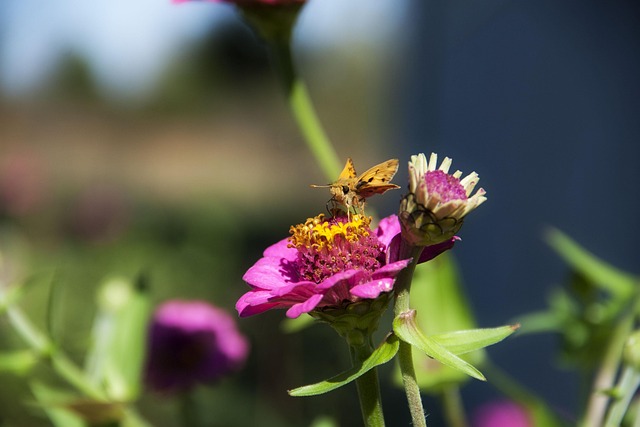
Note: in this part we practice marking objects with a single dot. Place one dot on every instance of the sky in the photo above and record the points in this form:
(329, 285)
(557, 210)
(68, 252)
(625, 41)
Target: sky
(128, 43)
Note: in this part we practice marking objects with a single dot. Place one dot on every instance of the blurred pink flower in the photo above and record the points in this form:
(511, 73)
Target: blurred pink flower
(192, 342)
(503, 413)
(328, 263)
(22, 183)
(249, 2)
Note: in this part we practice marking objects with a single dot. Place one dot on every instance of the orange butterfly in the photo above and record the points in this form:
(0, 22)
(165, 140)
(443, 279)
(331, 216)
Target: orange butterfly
(351, 190)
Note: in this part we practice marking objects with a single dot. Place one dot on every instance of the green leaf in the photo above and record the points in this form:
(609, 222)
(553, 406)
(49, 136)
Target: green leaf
(18, 362)
(9, 296)
(385, 352)
(600, 273)
(407, 330)
(460, 342)
(119, 338)
(51, 401)
(540, 322)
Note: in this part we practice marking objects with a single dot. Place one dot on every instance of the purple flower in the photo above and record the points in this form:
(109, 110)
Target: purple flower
(23, 183)
(502, 413)
(328, 263)
(252, 2)
(192, 342)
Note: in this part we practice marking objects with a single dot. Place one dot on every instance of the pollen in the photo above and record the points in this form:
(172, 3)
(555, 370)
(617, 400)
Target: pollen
(330, 246)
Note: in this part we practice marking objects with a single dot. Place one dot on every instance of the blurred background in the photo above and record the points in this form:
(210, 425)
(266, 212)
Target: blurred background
(145, 137)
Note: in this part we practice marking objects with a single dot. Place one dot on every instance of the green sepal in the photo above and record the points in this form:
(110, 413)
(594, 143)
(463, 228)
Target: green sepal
(603, 275)
(381, 355)
(405, 327)
(461, 342)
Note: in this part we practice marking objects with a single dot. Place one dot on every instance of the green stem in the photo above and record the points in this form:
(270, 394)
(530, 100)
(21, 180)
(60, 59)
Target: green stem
(605, 377)
(626, 389)
(368, 389)
(189, 410)
(303, 111)
(453, 408)
(42, 345)
(405, 355)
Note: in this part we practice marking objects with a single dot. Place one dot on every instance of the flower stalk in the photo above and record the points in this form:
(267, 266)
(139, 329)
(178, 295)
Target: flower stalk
(405, 355)
(368, 388)
(302, 108)
(452, 407)
(43, 346)
(605, 377)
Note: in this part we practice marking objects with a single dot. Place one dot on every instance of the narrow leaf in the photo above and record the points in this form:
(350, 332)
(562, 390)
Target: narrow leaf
(602, 274)
(385, 352)
(18, 362)
(407, 330)
(9, 296)
(51, 402)
(540, 322)
(460, 342)
(119, 337)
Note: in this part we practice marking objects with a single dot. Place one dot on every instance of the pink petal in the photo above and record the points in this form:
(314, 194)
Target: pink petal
(333, 280)
(374, 288)
(298, 290)
(269, 273)
(393, 251)
(255, 302)
(304, 307)
(391, 269)
(387, 229)
(281, 250)
(430, 252)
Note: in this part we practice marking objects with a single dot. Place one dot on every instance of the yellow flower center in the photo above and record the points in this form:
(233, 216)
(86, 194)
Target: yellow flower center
(326, 247)
(319, 233)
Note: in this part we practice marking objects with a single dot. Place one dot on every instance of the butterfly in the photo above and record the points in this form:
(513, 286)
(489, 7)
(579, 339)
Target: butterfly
(351, 190)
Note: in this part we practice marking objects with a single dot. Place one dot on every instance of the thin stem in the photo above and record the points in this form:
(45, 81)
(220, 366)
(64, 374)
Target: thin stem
(411, 388)
(189, 410)
(405, 355)
(368, 389)
(303, 110)
(453, 408)
(626, 389)
(636, 421)
(42, 345)
(605, 377)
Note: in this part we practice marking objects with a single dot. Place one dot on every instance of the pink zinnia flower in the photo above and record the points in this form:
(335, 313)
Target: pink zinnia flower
(502, 414)
(250, 2)
(328, 263)
(192, 342)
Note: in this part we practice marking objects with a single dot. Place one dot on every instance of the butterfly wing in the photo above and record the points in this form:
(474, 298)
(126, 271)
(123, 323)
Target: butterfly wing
(377, 179)
(348, 173)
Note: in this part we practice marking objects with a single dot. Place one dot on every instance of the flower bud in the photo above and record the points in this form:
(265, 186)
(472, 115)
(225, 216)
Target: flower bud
(435, 207)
